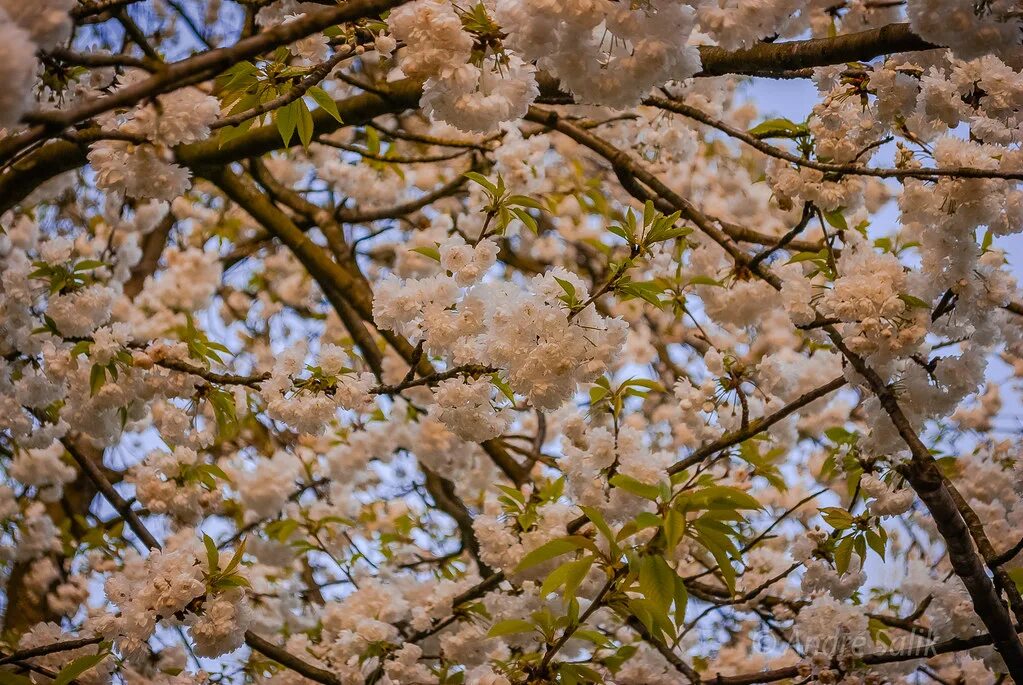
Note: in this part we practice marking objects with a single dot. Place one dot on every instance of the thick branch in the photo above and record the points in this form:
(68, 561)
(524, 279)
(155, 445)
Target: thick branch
(773, 58)
(925, 478)
(205, 65)
(58, 157)
(52, 648)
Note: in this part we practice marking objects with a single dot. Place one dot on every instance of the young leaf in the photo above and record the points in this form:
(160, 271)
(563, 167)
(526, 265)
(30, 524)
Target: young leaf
(597, 519)
(630, 484)
(304, 123)
(502, 385)
(97, 377)
(570, 575)
(286, 119)
(836, 219)
(212, 554)
(510, 626)
(483, 181)
(78, 667)
(547, 551)
(837, 517)
(12, 678)
(657, 583)
(777, 128)
(843, 554)
(431, 252)
(527, 219)
(567, 287)
(236, 559)
(325, 102)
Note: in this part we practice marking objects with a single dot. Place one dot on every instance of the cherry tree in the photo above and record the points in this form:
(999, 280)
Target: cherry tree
(493, 342)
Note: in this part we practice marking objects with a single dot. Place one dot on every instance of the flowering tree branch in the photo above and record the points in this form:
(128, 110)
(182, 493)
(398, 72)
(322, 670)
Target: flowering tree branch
(555, 412)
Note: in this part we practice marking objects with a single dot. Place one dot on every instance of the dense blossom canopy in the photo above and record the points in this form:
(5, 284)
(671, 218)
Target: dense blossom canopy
(493, 342)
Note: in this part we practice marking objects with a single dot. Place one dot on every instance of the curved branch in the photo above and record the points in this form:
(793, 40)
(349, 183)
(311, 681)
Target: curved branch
(58, 157)
(757, 426)
(52, 648)
(203, 66)
(677, 107)
(930, 485)
(61, 156)
(956, 644)
(767, 59)
(365, 216)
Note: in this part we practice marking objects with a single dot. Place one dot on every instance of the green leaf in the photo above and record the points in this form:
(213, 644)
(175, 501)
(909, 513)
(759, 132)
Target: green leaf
(879, 632)
(645, 383)
(720, 497)
(577, 674)
(12, 678)
(649, 212)
(502, 385)
(236, 558)
(836, 219)
(78, 667)
(431, 252)
(325, 102)
(230, 582)
(877, 541)
(229, 133)
(566, 286)
(645, 290)
(674, 528)
(660, 234)
(641, 609)
(656, 580)
(643, 520)
(913, 301)
(778, 128)
(286, 119)
(681, 600)
(704, 280)
(281, 530)
(212, 554)
(305, 124)
(570, 575)
(630, 484)
(524, 201)
(97, 377)
(226, 416)
(621, 232)
(595, 636)
(548, 551)
(843, 554)
(1016, 575)
(483, 181)
(527, 219)
(618, 659)
(81, 347)
(837, 517)
(510, 626)
(806, 257)
(89, 265)
(597, 519)
(715, 538)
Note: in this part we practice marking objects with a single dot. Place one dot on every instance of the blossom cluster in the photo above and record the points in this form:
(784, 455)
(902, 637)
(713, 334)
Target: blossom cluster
(507, 342)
